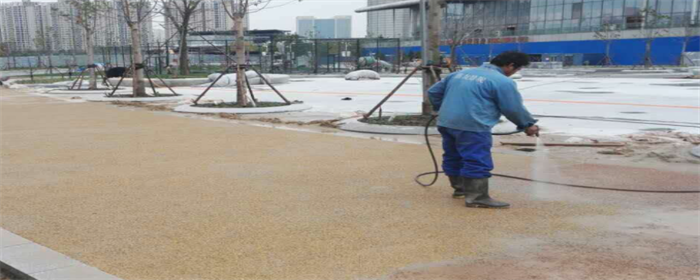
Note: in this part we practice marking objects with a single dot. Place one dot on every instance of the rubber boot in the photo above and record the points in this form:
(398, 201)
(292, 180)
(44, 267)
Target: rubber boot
(456, 183)
(477, 194)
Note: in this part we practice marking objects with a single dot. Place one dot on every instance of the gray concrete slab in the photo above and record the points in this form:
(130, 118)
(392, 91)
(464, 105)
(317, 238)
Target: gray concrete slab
(9, 239)
(76, 272)
(33, 258)
(22, 257)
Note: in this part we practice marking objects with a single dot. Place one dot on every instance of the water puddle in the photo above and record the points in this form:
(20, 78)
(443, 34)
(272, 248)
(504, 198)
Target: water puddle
(633, 113)
(586, 91)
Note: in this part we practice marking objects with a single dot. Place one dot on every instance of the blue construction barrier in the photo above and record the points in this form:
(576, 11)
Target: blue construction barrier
(665, 51)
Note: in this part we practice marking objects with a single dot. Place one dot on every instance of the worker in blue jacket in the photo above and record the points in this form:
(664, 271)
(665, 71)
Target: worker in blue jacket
(470, 103)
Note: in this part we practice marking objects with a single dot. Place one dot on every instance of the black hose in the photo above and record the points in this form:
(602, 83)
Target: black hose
(621, 120)
(437, 172)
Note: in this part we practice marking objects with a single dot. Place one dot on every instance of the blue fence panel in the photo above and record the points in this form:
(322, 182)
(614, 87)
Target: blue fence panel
(665, 51)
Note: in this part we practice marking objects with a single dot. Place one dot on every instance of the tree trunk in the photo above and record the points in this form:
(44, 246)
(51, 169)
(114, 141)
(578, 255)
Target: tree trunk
(240, 61)
(683, 54)
(184, 66)
(647, 55)
(434, 18)
(137, 74)
(607, 53)
(50, 62)
(91, 61)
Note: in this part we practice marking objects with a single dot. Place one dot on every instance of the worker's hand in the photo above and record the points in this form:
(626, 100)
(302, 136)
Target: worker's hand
(533, 131)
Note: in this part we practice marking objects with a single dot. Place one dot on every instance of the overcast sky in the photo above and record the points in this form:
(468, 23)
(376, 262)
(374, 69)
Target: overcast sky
(284, 17)
(281, 14)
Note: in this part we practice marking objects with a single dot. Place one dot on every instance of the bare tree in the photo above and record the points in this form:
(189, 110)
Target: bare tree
(654, 27)
(179, 13)
(135, 12)
(44, 41)
(607, 33)
(85, 13)
(460, 25)
(237, 10)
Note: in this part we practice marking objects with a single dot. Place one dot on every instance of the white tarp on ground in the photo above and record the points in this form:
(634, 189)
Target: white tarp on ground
(253, 78)
(362, 75)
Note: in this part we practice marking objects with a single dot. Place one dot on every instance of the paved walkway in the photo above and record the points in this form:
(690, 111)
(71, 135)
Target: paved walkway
(150, 195)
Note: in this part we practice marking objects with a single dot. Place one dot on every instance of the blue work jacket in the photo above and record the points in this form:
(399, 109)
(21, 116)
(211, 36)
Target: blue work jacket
(474, 99)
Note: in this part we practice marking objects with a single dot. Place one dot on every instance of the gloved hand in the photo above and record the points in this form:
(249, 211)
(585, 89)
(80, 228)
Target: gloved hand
(533, 131)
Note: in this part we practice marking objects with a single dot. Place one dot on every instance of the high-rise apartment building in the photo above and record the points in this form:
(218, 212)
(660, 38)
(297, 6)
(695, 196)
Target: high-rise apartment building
(305, 26)
(28, 25)
(343, 27)
(43, 26)
(210, 15)
(336, 27)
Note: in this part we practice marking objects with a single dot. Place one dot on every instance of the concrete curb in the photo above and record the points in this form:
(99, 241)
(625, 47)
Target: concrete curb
(264, 110)
(186, 82)
(132, 99)
(81, 92)
(695, 151)
(354, 125)
(28, 260)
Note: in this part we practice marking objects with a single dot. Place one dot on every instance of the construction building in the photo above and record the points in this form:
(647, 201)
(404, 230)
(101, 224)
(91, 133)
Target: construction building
(575, 32)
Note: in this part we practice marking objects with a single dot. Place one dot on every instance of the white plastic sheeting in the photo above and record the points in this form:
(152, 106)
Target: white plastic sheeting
(362, 75)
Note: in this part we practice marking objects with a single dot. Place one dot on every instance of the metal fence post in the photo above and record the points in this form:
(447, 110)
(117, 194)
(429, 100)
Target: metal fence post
(315, 56)
(272, 53)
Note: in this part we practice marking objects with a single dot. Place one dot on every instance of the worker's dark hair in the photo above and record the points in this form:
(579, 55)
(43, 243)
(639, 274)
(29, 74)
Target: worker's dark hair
(518, 59)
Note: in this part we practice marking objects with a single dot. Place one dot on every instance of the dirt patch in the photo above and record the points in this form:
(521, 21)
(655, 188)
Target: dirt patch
(323, 123)
(150, 107)
(400, 120)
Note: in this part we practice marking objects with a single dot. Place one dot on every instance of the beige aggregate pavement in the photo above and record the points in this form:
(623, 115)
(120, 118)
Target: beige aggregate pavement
(149, 195)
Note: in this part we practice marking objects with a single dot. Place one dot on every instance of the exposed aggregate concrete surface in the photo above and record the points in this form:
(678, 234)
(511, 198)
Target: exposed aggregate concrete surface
(146, 195)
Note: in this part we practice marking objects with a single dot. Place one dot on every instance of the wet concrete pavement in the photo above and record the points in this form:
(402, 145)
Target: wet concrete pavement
(151, 195)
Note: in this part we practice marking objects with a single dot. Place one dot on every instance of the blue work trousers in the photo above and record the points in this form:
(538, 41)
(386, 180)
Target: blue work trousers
(467, 154)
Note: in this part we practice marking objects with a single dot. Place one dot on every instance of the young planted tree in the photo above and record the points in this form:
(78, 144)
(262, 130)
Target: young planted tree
(136, 12)
(44, 42)
(180, 13)
(237, 10)
(85, 13)
(607, 33)
(655, 26)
